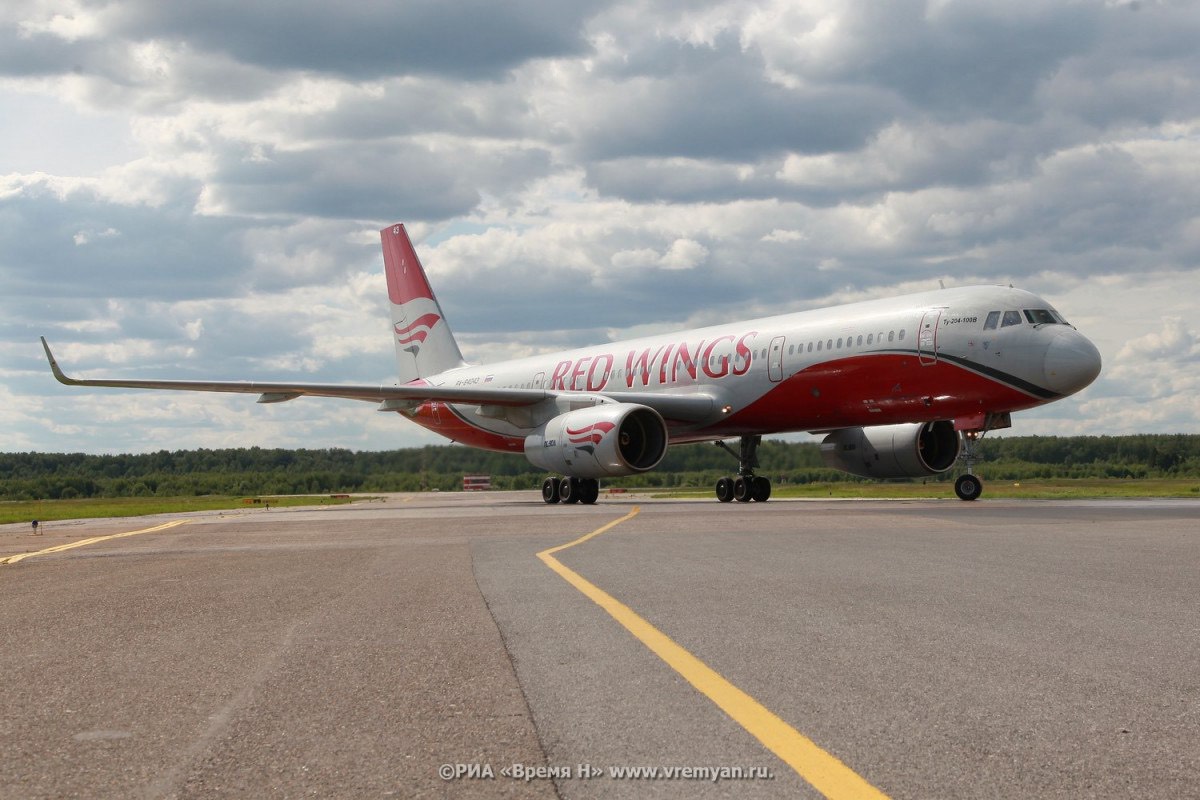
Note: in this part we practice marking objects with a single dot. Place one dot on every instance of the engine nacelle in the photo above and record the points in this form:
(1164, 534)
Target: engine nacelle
(604, 441)
(893, 451)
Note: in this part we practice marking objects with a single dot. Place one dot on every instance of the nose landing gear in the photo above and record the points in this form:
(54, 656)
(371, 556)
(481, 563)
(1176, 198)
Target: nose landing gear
(967, 486)
(746, 486)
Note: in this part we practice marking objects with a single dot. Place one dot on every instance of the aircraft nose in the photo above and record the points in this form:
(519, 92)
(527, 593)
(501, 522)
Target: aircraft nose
(1072, 362)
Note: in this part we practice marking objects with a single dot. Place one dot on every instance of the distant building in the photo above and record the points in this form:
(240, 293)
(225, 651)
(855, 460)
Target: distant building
(476, 483)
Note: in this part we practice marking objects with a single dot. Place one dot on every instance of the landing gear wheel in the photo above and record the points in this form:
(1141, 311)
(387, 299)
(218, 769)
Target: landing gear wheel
(968, 487)
(569, 490)
(760, 489)
(550, 490)
(589, 491)
(576, 490)
(746, 486)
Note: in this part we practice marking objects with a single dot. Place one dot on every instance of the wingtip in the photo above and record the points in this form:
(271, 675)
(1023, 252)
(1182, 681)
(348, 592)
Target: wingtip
(58, 373)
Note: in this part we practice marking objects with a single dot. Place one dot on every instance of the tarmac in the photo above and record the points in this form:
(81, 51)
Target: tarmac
(906, 649)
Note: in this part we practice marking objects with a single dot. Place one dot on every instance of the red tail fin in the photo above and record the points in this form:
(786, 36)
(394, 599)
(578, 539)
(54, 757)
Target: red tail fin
(405, 277)
(424, 344)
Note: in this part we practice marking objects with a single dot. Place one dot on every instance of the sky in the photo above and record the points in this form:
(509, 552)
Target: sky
(195, 190)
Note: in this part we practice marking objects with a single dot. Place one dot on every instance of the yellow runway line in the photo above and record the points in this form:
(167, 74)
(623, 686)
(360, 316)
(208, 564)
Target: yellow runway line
(82, 542)
(824, 771)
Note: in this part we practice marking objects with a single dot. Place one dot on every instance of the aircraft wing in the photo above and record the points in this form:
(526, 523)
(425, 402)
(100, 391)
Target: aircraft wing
(685, 407)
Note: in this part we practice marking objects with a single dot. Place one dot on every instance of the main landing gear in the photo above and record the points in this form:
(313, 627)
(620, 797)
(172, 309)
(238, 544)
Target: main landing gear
(571, 490)
(968, 486)
(746, 486)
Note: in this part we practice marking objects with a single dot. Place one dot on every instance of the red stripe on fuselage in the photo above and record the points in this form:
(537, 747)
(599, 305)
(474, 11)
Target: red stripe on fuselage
(874, 389)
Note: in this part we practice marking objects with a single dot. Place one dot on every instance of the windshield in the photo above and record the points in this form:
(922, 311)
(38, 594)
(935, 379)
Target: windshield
(1044, 316)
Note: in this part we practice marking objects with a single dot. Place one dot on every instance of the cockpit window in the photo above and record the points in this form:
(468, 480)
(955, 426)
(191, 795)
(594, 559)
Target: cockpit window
(1042, 316)
(1011, 318)
(993, 319)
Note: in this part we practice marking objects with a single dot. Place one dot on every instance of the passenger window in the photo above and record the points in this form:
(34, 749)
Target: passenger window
(810, 347)
(993, 319)
(870, 338)
(818, 347)
(1011, 318)
(901, 334)
(859, 343)
(829, 344)
(791, 349)
(891, 336)
(839, 343)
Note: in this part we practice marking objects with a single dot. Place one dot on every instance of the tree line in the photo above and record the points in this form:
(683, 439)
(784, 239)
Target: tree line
(255, 470)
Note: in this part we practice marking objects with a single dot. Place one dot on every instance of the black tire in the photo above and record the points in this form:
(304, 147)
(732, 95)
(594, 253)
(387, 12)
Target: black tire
(725, 489)
(550, 490)
(589, 490)
(968, 487)
(568, 490)
(743, 489)
(760, 490)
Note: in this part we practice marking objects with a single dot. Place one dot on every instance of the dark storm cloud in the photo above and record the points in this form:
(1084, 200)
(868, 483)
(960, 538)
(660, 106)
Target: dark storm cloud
(475, 40)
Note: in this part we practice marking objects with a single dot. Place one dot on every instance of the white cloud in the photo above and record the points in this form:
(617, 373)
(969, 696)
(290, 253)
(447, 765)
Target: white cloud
(1173, 341)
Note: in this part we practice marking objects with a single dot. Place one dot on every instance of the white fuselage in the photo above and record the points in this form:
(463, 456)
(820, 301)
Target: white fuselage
(919, 357)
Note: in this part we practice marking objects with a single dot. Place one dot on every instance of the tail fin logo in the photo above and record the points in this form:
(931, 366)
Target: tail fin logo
(587, 437)
(415, 333)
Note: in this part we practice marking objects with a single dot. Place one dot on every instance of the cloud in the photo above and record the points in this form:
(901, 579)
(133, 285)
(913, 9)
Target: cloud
(1173, 342)
(196, 189)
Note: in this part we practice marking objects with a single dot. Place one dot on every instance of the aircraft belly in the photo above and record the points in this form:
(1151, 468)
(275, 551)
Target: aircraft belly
(875, 389)
(464, 427)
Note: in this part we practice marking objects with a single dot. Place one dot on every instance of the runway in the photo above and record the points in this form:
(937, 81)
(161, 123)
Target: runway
(928, 648)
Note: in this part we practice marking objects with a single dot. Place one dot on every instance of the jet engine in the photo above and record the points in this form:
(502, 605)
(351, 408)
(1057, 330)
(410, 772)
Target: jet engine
(893, 451)
(603, 441)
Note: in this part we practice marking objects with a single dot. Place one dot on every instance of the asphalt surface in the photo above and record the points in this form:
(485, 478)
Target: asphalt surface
(937, 649)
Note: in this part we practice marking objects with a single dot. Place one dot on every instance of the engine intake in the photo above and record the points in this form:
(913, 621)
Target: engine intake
(604, 441)
(910, 450)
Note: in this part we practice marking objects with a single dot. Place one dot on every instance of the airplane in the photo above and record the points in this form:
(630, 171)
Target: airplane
(900, 387)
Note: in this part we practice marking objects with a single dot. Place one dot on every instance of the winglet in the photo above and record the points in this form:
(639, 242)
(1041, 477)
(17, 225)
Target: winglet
(58, 373)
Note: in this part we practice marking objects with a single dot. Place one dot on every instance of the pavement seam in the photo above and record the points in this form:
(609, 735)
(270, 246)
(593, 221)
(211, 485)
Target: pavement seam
(513, 667)
(175, 778)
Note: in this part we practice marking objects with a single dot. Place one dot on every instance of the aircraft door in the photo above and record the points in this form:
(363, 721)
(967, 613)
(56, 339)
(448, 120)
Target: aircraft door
(927, 337)
(539, 380)
(775, 359)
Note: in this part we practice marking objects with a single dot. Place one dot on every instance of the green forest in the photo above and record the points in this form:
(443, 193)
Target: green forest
(255, 471)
